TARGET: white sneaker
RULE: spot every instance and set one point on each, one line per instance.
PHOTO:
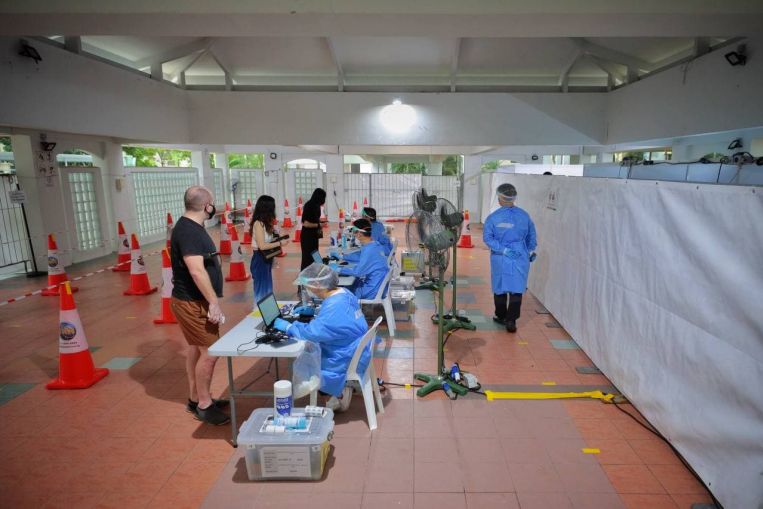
(344, 403)
(333, 403)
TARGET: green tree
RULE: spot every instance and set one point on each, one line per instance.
(408, 168)
(251, 160)
(148, 157)
(5, 144)
(450, 166)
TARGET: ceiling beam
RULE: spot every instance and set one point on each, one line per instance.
(612, 55)
(701, 46)
(608, 67)
(73, 43)
(564, 77)
(454, 63)
(337, 63)
(181, 72)
(181, 51)
(228, 75)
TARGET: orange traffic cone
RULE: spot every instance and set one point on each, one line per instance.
(324, 219)
(286, 217)
(75, 364)
(56, 272)
(466, 234)
(247, 236)
(167, 315)
(298, 231)
(236, 270)
(354, 211)
(365, 202)
(170, 224)
(123, 252)
(224, 235)
(139, 284)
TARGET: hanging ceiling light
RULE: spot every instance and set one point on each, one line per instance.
(398, 117)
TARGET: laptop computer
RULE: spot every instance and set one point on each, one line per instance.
(270, 311)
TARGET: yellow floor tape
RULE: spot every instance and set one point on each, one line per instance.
(491, 395)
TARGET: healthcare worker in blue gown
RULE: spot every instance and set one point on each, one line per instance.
(510, 234)
(371, 267)
(378, 232)
(337, 329)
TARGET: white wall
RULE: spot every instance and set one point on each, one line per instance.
(329, 118)
(69, 93)
(705, 96)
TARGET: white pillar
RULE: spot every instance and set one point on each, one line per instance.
(334, 183)
(119, 191)
(274, 181)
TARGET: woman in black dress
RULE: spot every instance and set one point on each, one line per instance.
(311, 226)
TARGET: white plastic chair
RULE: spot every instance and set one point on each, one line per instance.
(369, 385)
(384, 297)
(391, 256)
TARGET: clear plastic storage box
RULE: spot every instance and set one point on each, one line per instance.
(290, 455)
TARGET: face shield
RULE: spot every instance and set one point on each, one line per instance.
(318, 276)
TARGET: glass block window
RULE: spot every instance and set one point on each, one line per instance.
(159, 192)
(85, 206)
(219, 190)
(247, 186)
(305, 182)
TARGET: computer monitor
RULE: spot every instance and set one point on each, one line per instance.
(268, 309)
(317, 257)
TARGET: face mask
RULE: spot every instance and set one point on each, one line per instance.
(210, 215)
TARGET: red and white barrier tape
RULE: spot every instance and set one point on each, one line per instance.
(89, 274)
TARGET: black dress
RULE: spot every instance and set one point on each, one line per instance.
(309, 240)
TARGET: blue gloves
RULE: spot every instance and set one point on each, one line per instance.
(334, 253)
(281, 324)
(511, 254)
(304, 310)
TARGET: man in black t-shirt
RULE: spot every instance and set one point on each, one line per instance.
(197, 280)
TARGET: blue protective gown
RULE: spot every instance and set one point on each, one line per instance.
(370, 270)
(379, 234)
(337, 329)
(509, 227)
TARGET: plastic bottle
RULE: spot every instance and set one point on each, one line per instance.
(291, 422)
(282, 397)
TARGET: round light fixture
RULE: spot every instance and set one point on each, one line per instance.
(398, 117)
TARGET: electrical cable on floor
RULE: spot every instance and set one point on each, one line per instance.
(659, 435)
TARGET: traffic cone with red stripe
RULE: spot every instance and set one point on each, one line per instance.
(228, 213)
(123, 251)
(365, 202)
(56, 272)
(236, 270)
(339, 228)
(247, 219)
(167, 315)
(139, 284)
(75, 364)
(170, 224)
(466, 233)
(286, 216)
(324, 219)
(224, 235)
(298, 231)
(355, 214)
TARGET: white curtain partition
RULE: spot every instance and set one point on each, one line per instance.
(661, 284)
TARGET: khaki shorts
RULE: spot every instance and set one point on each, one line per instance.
(192, 317)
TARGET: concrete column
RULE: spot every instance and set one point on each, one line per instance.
(334, 184)
(120, 193)
(274, 181)
(29, 181)
(200, 161)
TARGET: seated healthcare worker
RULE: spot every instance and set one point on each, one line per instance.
(337, 329)
(371, 267)
(378, 232)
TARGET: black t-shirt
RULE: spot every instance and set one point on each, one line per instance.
(189, 238)
(311, 212)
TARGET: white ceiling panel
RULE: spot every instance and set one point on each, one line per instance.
(274, 55)
(651, 49)
(415, 55)
(520, 56)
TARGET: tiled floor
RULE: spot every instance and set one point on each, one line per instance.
(128, 442)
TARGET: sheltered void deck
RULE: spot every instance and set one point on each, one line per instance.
(654, 271)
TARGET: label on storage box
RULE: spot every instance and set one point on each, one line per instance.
(285, 462)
